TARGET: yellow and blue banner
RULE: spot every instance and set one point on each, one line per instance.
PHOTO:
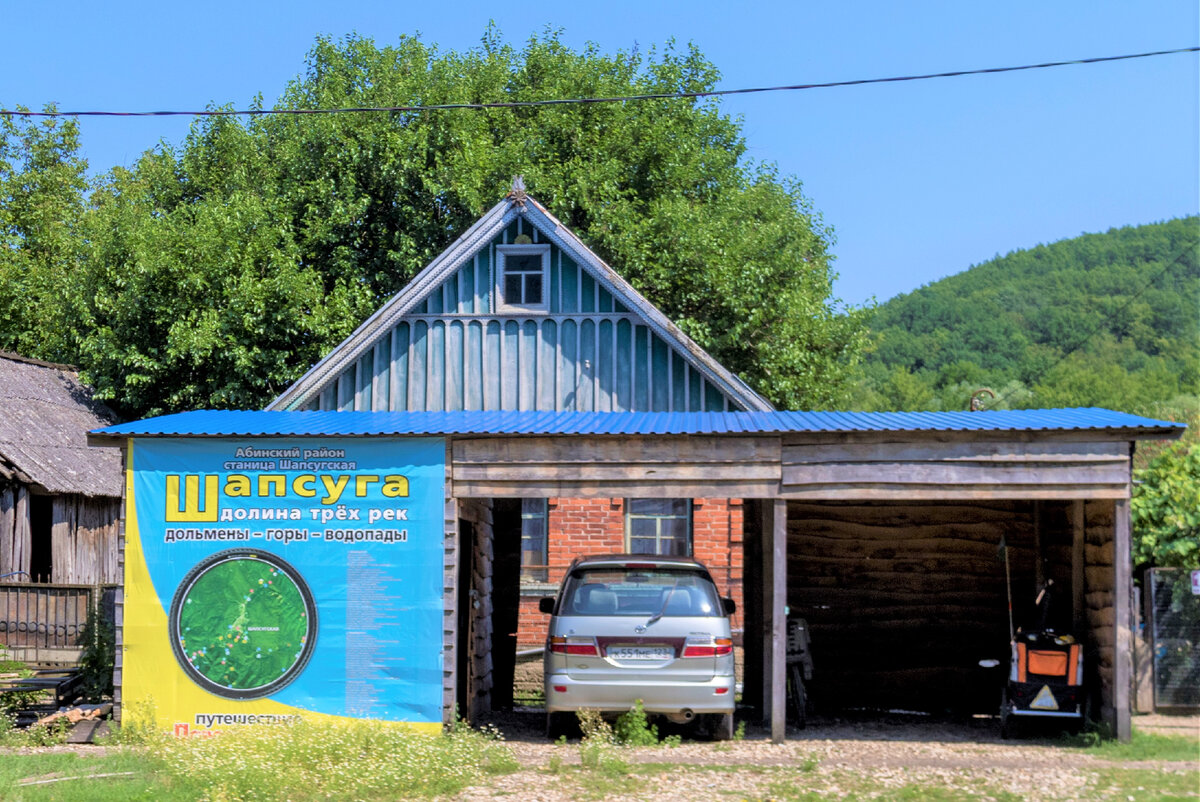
(272, 579)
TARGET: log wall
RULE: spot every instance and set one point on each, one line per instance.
(479, 639)
(903, 600)
(1100, 598)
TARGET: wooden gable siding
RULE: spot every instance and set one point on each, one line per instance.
(588, 352)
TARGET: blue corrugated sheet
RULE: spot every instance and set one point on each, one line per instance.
(346, 424)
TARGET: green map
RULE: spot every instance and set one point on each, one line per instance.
(243, 624)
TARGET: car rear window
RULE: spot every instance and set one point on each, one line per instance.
(639, 592)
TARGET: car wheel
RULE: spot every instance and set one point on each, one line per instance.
(720, 726)
(560, 725)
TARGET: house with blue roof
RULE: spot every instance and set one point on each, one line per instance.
(569, 416)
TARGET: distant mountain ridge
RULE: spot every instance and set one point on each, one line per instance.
(1109, 319)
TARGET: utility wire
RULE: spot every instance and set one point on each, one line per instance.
(515, 104)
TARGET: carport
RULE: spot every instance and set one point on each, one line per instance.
(895, 518)
(889, 515)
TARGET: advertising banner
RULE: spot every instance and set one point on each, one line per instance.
(271, 579)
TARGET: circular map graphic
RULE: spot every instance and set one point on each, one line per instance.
(243, 623)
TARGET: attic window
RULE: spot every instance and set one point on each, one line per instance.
(522, 276)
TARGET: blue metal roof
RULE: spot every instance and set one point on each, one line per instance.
(348, 424)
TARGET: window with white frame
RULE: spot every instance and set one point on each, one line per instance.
(534, 540)
(521, 276)
(659, 526)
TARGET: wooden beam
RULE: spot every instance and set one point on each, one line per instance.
(1123, 656)
(565, 486)
(779, 621)
(868, 490)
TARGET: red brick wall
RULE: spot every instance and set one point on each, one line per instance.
(579, 527)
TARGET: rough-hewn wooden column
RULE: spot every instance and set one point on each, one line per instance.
(774, 630)
(1122, 602)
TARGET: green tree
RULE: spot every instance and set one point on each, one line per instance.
(220, 271)
(43, 182)
(1099, 320)
(1166, 509)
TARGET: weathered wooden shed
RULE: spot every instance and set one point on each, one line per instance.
(59, 500)
(60, 504)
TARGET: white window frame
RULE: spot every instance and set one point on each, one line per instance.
(658, 536)
(502, 252)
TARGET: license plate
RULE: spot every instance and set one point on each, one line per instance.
(641, 652)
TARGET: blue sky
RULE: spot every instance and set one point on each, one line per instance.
(919, 180)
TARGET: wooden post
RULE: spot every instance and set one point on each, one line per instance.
(1078, 542)
(767, 604)
(1123, 609)
(779, 622)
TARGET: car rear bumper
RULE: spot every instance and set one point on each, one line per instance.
(657, 697)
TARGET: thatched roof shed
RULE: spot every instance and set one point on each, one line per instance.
(45, 415)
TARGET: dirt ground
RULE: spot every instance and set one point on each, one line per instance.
(850, 755)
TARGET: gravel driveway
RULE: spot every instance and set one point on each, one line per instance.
(888, 756)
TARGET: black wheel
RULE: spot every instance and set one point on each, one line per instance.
(560, 725)
(721, 726)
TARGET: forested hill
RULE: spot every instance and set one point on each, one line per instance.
(1108, 320)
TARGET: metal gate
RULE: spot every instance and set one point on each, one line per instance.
(1174, 606)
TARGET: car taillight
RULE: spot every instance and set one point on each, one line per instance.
(707, 647)
(574, 645)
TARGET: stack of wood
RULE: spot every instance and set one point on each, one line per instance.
(78, 713)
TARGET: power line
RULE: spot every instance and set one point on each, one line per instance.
(516, 104)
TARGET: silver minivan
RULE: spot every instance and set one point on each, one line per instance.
(634, 626)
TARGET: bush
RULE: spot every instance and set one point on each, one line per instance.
(99, 643)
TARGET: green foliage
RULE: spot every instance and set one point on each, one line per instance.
(632, 728)
(99, 642)
(214, 273)
(1166, 509)
(42, 186)
(1105, 320)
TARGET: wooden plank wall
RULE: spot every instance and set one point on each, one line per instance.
(983, 469)
(586, 352)
(15, 534)
(645, 467)
(903, 599)
(83, 540)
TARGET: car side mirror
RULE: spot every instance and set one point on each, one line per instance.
(729, 604)
(546, 605)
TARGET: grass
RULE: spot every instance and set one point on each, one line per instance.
(1141, 746)
(359, 760)
(364, 760)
